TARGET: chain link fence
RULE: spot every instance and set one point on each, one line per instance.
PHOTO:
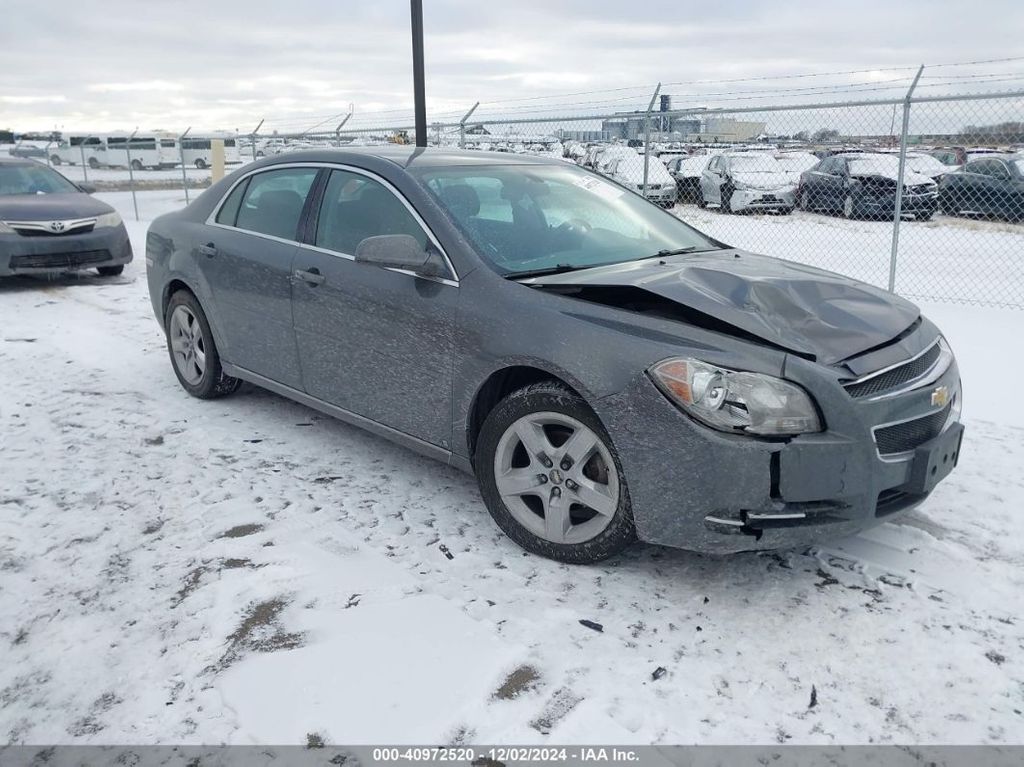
(923, 194)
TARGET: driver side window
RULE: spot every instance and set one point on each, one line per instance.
(355, 207)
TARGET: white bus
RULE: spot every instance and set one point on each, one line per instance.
(197, 151)
(75, 149)
(142, 151)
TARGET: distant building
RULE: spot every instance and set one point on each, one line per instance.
(689, 128)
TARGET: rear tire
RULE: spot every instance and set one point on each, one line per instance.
(94, 163)
(200, 164)
(550, 515)
(110, 271)
(193, 351)
(136, 164)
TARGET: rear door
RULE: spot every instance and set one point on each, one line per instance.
(376, 342)
(246, 259)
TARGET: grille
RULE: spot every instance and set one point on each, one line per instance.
(895, 377)
(60, 260)
(901, 437)
(42, 233)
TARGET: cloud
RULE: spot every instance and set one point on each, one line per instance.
(294, 64)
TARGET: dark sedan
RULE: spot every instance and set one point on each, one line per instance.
(991, 186)
(863, 185)
(607, 372)
(50, 225)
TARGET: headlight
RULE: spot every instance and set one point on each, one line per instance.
(734, 401)
(107, 220)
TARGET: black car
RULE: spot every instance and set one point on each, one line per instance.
(863, 185)
(27, 151)
(51, 225)
(991, 186)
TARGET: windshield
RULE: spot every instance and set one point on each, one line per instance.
(530, 218)
(755, 163)
(32, 179)
(925, 163)
(797, 162)
(874, 163)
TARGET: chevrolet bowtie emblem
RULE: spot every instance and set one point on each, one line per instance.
(940, 397)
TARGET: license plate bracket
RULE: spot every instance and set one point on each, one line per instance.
(935, 459)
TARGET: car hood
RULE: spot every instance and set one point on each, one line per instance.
(910, 178)
(50, 207)
(808, 311)
(763, 180)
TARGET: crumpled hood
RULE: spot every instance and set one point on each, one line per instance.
(50, 207)
(799, 308)
(766, 180)
(910, 178)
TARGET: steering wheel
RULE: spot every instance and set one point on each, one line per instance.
(575, 226)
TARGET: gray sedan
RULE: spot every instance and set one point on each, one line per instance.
(607, 372)
(50, 225)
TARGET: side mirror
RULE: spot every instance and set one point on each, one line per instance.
(400, 251)
(87, 188)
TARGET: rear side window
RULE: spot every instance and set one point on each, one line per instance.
(273, 202)
(228, 213)
(356, 207)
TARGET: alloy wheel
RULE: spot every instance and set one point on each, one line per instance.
(556, 477)
(188, 345)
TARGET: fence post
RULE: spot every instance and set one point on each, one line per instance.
(81, 151)
(462, 126)
(181, 154)
(647, 136)
(252, 138)
(898, 208)
(131, 172)
(337, 131)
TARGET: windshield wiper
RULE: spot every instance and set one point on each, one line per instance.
(674, 251)
(556, 269)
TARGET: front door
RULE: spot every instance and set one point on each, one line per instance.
(247, 261)
(376, 342)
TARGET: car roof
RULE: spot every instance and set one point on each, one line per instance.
(406, 156)
(1005, 156)
(18, 161)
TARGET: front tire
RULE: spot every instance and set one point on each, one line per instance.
(110, 271)
(726, 197)
(54, 160)
(193, 351)
(136, 164)
(200, 164)
(551, 478)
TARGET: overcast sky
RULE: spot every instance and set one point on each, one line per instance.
(77, 64)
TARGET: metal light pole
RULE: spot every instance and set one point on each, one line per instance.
(418, 88)
(181, 154)
(462, 126)
(337, 131)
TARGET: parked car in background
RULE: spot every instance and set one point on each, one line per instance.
(928, 165)
(990, 186)
(49, 225)
(795, 163)
(686, 172)
(27, 151)
(861, 185)
(629, 171)
(746, 181)
(606, 372)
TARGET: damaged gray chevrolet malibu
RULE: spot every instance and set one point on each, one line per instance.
(607, 372)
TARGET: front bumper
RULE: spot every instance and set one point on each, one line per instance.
(911, 203)
(763, 199)
(56, 254)
(694, 488)
(664, 194)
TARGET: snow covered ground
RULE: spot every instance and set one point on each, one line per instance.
(249, 571)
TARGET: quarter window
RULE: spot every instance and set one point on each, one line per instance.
(273, 202)
(356, 207)
(228, 212)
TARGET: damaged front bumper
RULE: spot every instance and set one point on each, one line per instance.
(695, 488)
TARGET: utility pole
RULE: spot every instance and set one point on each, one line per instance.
(418, 88)
(647, 136)
(337, 131)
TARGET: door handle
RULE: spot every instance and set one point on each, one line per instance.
(311, 276)
(209, 250)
